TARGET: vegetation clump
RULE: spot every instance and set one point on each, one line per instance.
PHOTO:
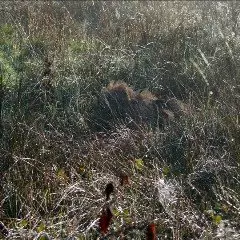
(119, 120)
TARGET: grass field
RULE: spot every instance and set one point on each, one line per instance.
(178, 180)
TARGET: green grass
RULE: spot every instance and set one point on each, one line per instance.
(54, 166)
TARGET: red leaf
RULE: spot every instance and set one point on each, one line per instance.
(151, 232)
(105, 220)
(124, 180)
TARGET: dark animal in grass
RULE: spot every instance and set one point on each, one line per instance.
(119, 104)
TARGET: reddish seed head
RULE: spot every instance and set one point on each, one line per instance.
(124, 180)
(151, 232)
(105, 220)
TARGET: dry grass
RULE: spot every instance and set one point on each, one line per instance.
(57, 61)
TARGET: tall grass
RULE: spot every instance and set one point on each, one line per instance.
(56, 57)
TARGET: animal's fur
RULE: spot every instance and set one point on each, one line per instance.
(120, 104)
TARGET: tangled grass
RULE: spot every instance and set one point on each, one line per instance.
(176, 180)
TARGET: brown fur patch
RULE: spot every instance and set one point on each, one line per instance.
(121, 87)
(120, 104)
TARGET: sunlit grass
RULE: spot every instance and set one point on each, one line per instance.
(56, 61)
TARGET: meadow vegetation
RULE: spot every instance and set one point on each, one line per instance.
(64, 137)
